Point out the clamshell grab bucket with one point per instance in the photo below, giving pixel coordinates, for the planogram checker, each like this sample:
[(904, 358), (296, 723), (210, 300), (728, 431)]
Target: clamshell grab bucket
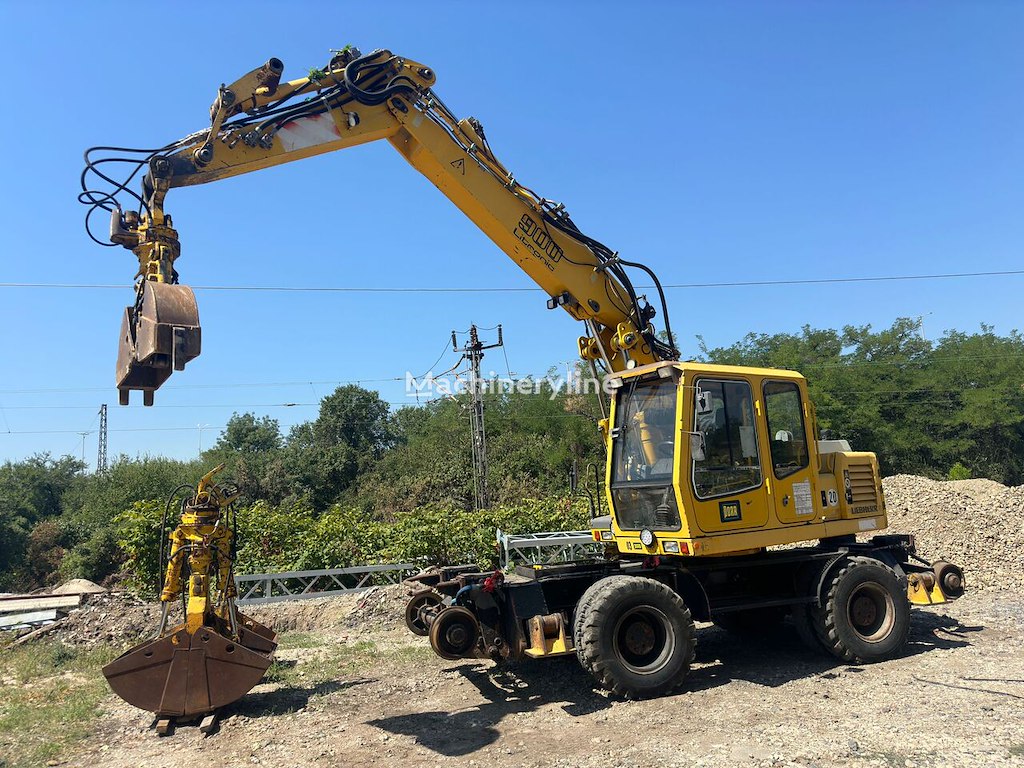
[(159, 335), (186, 676)]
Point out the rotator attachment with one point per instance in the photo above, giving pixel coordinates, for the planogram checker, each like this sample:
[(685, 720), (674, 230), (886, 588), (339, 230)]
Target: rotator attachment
[(217, 654)]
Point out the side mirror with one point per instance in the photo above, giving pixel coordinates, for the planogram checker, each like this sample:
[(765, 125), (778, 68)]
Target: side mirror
[(697, 446)]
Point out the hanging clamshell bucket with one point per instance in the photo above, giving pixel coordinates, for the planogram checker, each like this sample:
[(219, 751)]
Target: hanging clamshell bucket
[(159, 335)]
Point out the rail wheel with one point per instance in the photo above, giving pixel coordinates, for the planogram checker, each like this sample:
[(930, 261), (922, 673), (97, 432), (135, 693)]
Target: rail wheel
[(636, 636), (414, 610), (866, 616), (454, 633)]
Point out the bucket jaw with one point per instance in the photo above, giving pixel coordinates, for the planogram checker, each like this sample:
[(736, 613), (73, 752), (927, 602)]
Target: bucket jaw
[(159, 335), (189, 675)]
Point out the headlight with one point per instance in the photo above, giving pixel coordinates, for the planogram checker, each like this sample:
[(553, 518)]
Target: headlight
[(671, 547), (607, 536), (646, 537)]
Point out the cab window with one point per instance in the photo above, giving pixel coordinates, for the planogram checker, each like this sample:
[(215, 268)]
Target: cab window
[(644, 438), (724, 415), (785, 427)]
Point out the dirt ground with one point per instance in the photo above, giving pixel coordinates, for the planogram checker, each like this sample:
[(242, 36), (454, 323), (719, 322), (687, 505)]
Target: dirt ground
[(353, 688)]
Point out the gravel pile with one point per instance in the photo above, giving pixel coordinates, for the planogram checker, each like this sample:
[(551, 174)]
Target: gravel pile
[(976, 524), (113, 618), (380, 608), (311, 614)]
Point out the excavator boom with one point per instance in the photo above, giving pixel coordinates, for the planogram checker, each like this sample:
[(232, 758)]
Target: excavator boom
[(256, 124)]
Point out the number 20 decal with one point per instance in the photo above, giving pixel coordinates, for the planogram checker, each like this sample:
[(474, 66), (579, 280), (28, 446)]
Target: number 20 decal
[(833, 498)]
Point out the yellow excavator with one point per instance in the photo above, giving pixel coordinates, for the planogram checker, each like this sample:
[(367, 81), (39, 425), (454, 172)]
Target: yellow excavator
[(709, 467)]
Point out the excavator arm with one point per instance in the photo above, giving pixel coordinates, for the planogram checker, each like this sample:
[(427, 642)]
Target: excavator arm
[(258, 122)]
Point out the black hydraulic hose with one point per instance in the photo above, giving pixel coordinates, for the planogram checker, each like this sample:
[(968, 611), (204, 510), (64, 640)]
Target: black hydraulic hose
[(163, 531), (398, 85), (661, 297)]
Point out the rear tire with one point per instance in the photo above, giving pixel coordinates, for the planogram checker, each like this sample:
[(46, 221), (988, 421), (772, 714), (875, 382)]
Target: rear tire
[(866, 616), (635, 636), (804, 618)]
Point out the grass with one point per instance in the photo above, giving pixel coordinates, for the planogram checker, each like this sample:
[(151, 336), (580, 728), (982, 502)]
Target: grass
[(331, 661), (49, 697), (50, 693)]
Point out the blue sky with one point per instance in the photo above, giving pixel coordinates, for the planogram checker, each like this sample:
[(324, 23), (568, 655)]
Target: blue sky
[(716, 142)]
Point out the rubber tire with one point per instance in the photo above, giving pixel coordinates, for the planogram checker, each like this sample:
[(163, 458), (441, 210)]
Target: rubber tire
[(580, 617), (804, 618), (834, 626), (751, 621), (605, 604)]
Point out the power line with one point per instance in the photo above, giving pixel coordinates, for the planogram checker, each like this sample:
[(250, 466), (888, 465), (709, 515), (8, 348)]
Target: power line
[(259, 385), (492, 289)]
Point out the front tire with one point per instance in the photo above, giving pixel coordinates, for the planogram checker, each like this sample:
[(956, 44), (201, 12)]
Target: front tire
[(635, 636), (866, 616)]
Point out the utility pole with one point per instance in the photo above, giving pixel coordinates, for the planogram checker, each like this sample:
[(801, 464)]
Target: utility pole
[(101, 456), (83, 435), (201, 428), (473, 350)]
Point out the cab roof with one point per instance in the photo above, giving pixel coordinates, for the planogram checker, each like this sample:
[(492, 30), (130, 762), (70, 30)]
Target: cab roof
[(693, 366)]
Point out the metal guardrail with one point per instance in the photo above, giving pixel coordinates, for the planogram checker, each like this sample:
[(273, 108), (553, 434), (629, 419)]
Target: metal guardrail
[(548, 547), (256, 588)]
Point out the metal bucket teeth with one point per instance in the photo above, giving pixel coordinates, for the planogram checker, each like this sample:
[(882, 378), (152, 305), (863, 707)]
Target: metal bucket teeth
[(179, 675)]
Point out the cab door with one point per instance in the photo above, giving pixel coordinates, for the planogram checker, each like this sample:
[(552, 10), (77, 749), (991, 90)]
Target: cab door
[(793, 479), (727, 483)]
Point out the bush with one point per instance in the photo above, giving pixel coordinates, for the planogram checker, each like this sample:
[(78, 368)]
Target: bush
[(139, 538), (95, 558), (959, 472), (292, 538)]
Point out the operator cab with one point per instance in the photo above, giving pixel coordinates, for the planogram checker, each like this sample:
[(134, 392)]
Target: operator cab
[(706, 458)]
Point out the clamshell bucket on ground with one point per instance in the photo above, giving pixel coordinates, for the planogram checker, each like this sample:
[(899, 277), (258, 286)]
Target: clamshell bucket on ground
[(216, 654), (159, 335), (186, 676)]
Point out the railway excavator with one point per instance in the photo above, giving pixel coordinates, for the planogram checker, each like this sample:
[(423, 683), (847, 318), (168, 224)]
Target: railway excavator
[(723, 504)]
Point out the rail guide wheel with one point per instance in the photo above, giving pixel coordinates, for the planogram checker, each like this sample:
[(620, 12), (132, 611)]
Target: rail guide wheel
[(454, 633)]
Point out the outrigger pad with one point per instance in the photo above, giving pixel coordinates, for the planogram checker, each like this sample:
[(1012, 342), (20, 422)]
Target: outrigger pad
[(178, 675), (157, 339)]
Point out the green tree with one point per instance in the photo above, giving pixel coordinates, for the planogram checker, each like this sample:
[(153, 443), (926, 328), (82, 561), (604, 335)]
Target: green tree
[(981, 418), (250, 449), (248, 434), (30, 493)]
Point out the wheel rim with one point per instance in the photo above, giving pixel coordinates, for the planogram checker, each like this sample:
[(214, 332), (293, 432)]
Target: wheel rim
[(643, 640), (871, 612)]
